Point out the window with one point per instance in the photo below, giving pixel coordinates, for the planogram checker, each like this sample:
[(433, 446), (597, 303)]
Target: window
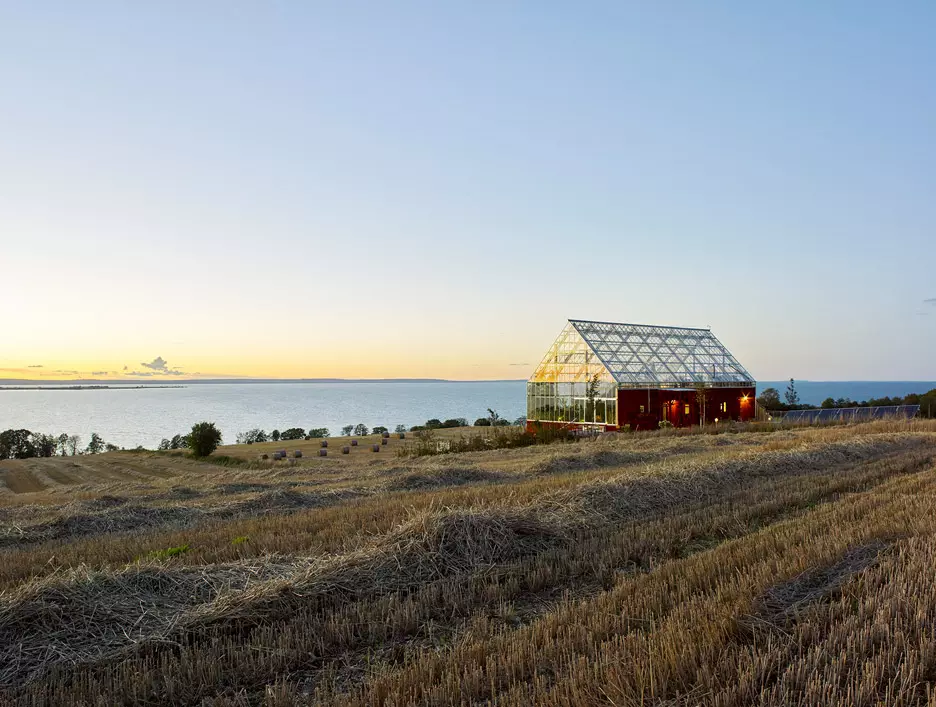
[(642, 410), (724, 407), (687, 409)]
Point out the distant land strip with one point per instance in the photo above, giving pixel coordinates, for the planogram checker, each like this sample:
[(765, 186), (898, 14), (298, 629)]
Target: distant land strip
[(40, 386)]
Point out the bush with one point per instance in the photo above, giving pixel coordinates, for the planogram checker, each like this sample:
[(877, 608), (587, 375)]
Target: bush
[(292, 433), (433, 424), (455, 422), (482, 422), (204, 438)]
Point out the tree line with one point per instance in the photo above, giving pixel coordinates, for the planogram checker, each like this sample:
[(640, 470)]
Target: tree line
[(24, 444), (256, 436), (769, 399)]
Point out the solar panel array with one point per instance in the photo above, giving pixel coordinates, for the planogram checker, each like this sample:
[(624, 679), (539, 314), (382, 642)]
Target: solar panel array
[(883, 412)]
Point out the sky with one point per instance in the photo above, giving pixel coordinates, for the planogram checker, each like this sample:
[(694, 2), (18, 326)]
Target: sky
[(424, 189)]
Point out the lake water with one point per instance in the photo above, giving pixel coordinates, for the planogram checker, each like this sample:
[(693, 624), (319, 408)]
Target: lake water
[(143, 416)]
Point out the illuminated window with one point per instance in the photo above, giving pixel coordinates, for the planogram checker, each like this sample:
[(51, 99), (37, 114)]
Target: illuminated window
[(724, 407), (642, 410), (687, 409)]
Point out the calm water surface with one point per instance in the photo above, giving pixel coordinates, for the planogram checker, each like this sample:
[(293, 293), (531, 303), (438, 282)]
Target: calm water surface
[(134, 416), (130, 417)]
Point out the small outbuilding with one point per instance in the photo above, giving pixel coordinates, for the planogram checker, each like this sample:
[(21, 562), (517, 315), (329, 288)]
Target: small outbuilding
[(606, 375)]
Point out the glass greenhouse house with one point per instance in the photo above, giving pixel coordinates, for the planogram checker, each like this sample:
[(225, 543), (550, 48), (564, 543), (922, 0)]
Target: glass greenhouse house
[(611, 375)]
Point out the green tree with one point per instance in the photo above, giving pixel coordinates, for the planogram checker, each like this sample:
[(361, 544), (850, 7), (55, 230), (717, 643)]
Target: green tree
[(360, 429), (399, 429), (433, 424), (828, 404), (74, 444), (347, 430), (62, 443), (16, 444), (292, 433), (96, 445), (379, 430), (317, 433), (45, 445), (483, 422), (275, 435), (769, 399), (204, 438), (791, 396)]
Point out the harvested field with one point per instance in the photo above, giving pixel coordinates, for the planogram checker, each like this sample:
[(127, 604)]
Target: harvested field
[(768, 568)]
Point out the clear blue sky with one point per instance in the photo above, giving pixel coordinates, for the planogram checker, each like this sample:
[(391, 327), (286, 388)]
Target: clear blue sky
[(431, 189)]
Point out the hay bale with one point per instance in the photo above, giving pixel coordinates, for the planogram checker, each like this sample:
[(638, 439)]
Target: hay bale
[(384, 440), (264, 456), (386, 435), (353, 442), (375, 448), (324, 443), (277, 455), (297, 454), (402, 435), (346, 450), (323, 452)]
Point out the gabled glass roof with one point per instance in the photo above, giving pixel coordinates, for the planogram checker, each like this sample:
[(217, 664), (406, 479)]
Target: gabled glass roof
[(640, 356)]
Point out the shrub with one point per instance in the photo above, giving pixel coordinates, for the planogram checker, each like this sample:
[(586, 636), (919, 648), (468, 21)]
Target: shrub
[(455, 422), (204, 438), (664, 424), (482, 422), (168, 552), (433, 424)]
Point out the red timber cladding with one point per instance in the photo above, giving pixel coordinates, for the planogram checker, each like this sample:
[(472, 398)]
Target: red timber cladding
[(643, 409)]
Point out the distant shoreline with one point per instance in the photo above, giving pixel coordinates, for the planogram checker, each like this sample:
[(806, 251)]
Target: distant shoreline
[(86, 387)]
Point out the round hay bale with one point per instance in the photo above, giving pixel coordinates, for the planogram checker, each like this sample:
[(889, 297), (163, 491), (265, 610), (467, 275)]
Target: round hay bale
[(324, 443), (375, 447), (323, 452), (353, 442), (282, 453), (384, 440), (277, 455), (264, 456), (297, 454), (402, 435), (346, 450), (386, 435)]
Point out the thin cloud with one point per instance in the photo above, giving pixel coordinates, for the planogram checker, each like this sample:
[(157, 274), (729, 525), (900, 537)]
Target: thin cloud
[(931, 301), (518, 364), (35, 365), (158, 364), (99, 373)]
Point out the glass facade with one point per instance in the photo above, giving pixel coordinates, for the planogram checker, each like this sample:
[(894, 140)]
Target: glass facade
[(572, 385)]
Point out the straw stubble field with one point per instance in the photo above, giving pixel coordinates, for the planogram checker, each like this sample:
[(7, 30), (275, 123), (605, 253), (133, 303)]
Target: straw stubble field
[(771, 568)]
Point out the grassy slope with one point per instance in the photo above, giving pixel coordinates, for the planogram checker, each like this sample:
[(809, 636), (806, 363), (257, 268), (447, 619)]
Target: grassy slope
[(773, 568)]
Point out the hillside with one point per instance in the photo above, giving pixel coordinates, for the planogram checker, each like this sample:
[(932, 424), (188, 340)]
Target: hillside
[(771, 568)]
